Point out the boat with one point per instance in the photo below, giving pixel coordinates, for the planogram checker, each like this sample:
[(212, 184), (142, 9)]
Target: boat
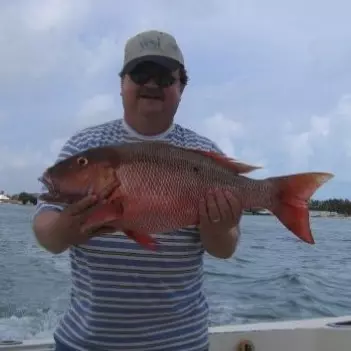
[(319, 334)]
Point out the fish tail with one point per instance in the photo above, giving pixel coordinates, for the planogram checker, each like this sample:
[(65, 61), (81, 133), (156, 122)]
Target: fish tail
[(290, 201)]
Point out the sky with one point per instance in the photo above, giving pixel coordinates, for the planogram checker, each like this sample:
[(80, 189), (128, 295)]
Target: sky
[(270, 81)]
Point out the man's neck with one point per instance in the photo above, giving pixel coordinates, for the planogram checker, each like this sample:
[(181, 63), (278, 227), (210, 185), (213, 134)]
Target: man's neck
[(147, 128)]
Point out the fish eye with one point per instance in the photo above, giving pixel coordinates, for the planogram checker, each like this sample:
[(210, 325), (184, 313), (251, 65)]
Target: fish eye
[(82, 161)]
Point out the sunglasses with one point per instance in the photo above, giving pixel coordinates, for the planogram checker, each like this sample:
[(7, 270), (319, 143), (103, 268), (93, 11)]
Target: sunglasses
[(144, 73)]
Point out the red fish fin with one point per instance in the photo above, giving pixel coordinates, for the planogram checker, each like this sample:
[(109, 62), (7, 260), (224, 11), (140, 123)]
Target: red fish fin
[(116, 195), (236, 166), (291, 201), (144, 240), (103, 214)]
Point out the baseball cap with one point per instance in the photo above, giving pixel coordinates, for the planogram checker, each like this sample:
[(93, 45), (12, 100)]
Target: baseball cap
[(155, 46)]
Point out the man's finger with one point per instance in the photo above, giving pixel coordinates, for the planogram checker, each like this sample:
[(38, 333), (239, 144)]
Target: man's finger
[(212, 208), (108, 190), (104, 230), (235, 205), (203, 211), (100, 229), (82, 205), (223, 205)]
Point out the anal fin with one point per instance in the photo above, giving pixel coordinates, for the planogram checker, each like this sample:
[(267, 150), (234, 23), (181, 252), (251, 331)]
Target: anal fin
[(145, 240)]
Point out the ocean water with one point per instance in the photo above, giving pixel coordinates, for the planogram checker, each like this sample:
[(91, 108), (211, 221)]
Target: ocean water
[(273, 276)]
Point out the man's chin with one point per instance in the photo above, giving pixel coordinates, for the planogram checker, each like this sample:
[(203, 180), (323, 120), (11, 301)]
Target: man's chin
[(150, 105), (147, 101)]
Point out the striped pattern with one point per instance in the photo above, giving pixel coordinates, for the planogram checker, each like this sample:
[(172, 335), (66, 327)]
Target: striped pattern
[(125, 297)]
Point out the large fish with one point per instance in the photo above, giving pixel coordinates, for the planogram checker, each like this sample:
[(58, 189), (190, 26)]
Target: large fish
[(159, 186)]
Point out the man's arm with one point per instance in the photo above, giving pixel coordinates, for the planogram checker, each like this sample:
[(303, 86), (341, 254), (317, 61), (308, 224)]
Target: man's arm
[(41, 225), (46, 214), (219, 224), (221, 245), (220, 214)]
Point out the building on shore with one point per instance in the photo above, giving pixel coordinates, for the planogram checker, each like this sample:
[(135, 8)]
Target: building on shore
[(4, 198), (258, 212)]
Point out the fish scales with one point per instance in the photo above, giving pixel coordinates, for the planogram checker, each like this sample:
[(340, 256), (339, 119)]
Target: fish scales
[(160, 186), (165, 183)]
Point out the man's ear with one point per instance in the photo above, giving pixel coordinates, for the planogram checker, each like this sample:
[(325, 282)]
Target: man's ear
[(121, 85)]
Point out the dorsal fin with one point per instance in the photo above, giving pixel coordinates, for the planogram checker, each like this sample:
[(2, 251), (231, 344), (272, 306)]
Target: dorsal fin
[(236, 166)]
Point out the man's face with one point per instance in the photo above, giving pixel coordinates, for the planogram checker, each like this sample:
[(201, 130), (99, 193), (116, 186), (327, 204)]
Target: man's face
[(151, 90)]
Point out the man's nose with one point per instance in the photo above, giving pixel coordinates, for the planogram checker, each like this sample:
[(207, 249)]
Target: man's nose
[(151, 84)]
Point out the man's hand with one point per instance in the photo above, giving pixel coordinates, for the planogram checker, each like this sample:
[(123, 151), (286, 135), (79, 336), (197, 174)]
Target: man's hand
[(56, 231), (220, 213), (69, 222)]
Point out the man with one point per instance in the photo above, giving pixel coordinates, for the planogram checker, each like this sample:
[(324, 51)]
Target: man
[(123, 296)]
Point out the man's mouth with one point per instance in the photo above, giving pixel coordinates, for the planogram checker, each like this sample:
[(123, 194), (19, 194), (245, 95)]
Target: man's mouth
[(150, 97), (152, 94)]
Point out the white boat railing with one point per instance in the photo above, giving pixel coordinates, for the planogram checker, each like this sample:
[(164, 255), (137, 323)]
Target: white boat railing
[(322, 334)]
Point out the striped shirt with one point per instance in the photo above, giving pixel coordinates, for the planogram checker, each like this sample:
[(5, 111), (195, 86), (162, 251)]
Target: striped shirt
[(124, 297)]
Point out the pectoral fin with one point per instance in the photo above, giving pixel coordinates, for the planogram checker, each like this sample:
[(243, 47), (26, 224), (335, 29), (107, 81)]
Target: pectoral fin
[(104, 213)]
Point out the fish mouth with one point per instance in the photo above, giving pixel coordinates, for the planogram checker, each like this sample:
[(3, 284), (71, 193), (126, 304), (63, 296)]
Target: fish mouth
[(59, 199), (47, 181), (52, 193)]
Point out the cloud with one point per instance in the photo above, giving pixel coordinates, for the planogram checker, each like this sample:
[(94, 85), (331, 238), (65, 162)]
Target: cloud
[(269, 82), (56, 145), (97, 109), (223, 130), (52, 14), (317, 143), (2, 117), (324, 140), (302, 146)]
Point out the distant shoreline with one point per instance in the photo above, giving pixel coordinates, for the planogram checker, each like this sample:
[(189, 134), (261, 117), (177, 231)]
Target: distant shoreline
[(323, 214), (261, 212), (13, 202)]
